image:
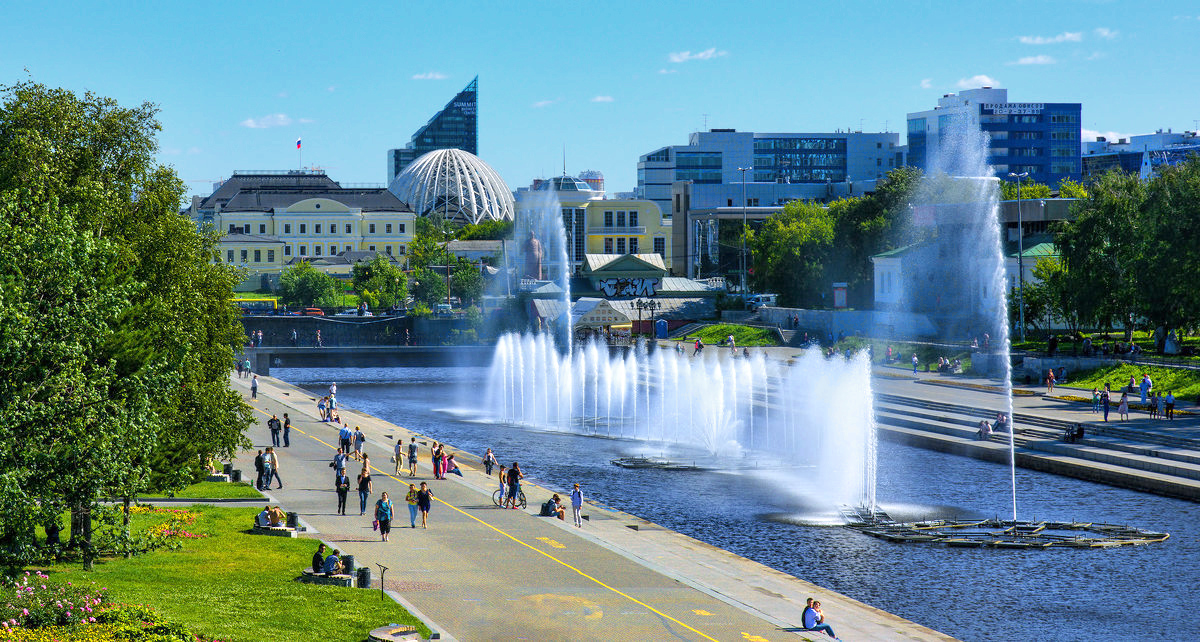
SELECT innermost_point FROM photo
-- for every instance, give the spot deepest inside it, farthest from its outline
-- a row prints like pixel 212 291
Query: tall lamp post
pixel 743 170
pixel 647 305
pixel 1020 257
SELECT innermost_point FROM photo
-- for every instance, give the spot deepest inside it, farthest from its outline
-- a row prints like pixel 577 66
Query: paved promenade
pixel 483 573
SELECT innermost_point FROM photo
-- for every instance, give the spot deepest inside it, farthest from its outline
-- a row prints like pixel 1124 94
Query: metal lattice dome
pixel 455 184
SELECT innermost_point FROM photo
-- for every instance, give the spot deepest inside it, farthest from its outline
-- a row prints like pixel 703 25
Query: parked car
pixel 310 312
pixel 756 301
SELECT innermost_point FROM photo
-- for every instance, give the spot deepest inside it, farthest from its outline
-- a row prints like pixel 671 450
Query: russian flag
pixel 297 143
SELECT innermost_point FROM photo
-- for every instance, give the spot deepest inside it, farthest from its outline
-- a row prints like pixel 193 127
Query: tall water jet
pixel 955 273
pixel 715 406
pixel 542 256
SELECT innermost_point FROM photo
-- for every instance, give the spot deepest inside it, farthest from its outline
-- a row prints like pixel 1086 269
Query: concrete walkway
pixel 483 573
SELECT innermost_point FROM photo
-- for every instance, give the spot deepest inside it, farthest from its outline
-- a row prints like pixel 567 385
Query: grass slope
pixel 1185 384
pixel 214 490
pixel 236 586
pixel 743 335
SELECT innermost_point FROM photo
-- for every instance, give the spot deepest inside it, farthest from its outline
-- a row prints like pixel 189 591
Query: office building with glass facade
pixel 1042 139
pixel 1143 155
pixel 456 126
pixel 823 166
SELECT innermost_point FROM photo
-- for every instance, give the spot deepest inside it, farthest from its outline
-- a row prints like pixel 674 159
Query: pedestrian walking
pixel 287 431
pixel 341 483
pixel 267 470
pixel 383 515
pixel 274 474
pixel 359 439
pixel 577 506
pixel 275 427
pixel 1152 406
pixel 321 404
pixel 489 461
pixel 317 340
pixel 259 343
pixel 295 338
pixel 1123 409
pixel 398 456
pixel 364 491
pixel 503 476
pixel 1162 406
pixel 424 503
pixel 333 389
pixel 339 462
pixel 1050 381
pixel 1105 400
pixel 915 361
pixel 258 470
pixel 246 367
pixel 1170 403
pixel 1145 387
pixel 411 498
pixel 254 387
pixel 412 457
pixel 344 437
pixel 1095 400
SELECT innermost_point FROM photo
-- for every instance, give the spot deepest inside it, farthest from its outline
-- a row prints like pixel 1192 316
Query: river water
pixel 972 594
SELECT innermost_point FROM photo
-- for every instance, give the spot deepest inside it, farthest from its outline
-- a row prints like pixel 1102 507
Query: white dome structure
pixel 455 184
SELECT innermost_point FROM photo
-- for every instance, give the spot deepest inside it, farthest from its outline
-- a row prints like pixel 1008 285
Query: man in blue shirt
pixel 333 563
pixel 814 619
pixel 344 435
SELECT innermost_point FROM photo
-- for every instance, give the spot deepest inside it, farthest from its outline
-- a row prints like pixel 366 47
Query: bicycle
pixel 498 500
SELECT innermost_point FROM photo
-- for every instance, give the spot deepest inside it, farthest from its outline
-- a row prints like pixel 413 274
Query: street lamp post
pixel 647 305
pixel 1020 258
pixel 743 170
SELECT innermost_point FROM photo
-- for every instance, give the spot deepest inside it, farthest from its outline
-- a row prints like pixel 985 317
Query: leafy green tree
pixel 429 287
pixel 1101 250
pixel 380 283
pixel 1070 189
pixel 486 231
pixel 1169 256
pixel 1029 189
pixel 116 324
pixel 304 285
pixel 791 251
pixel 466 282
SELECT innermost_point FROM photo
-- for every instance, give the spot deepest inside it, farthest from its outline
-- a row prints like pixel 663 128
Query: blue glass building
pixel 1042 139
pixel 456 126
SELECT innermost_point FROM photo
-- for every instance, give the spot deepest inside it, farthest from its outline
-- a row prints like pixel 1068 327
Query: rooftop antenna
pixel 705 122
pixel 564 159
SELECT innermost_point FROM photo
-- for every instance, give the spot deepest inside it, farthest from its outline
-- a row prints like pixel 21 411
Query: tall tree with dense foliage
pixel 791 251
pixel 304 285
pixel 116 324
pixel 428 287
pixel 380 283
pixel 466 282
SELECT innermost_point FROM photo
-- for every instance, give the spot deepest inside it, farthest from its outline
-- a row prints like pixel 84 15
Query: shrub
pixel 36 602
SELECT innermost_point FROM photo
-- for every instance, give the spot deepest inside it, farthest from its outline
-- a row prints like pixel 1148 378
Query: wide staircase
pixel 1110 450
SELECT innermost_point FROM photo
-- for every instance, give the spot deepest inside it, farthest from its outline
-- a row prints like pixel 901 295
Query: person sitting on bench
pixel 333 563
pixel 318 560
pixel 1073 435
pixel 985 430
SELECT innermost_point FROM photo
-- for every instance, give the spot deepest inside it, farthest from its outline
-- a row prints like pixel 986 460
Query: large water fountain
pixel 811 419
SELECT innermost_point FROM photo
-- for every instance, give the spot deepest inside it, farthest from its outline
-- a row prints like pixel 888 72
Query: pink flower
pixel 24 611
pixel 91 619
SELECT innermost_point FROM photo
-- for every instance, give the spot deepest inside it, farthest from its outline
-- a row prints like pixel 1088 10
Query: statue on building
pixel 533 258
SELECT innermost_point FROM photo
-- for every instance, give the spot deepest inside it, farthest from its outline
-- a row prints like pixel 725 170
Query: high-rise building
pixel 820 166
pixel 1039 138
pixel 456 126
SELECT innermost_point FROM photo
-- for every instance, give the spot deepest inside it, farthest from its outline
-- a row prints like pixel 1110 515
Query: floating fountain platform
pixel 996 533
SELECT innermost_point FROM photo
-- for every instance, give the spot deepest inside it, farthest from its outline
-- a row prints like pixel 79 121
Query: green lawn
pixel 214 490
pixel 1185 384
pixel 743 335
pixel 236 586
pixel 1141 338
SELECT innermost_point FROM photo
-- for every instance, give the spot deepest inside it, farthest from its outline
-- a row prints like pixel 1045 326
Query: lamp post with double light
pixel 1020 257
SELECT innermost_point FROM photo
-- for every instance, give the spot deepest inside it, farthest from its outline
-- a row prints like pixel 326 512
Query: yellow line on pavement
pixel 529 546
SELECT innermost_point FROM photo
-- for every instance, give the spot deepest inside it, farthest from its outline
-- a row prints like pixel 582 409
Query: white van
pixel 756 301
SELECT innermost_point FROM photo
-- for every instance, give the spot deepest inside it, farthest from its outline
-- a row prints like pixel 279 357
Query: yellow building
pixel 271 218
pixel 596 225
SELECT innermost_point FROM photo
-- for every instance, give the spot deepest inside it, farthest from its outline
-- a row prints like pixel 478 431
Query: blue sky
pixel 237 83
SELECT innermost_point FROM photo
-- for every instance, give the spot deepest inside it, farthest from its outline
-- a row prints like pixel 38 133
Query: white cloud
pixel 430 75
pixel 975 82
pixel 1089 135
pixel 927 83
pixel 272 120
pixel 1106 33
pixel 542 103
pixel 1035 60
pixel 1066 36
pixel 707 54
pixel 602 99
pixel 305 121
pixel 668 71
